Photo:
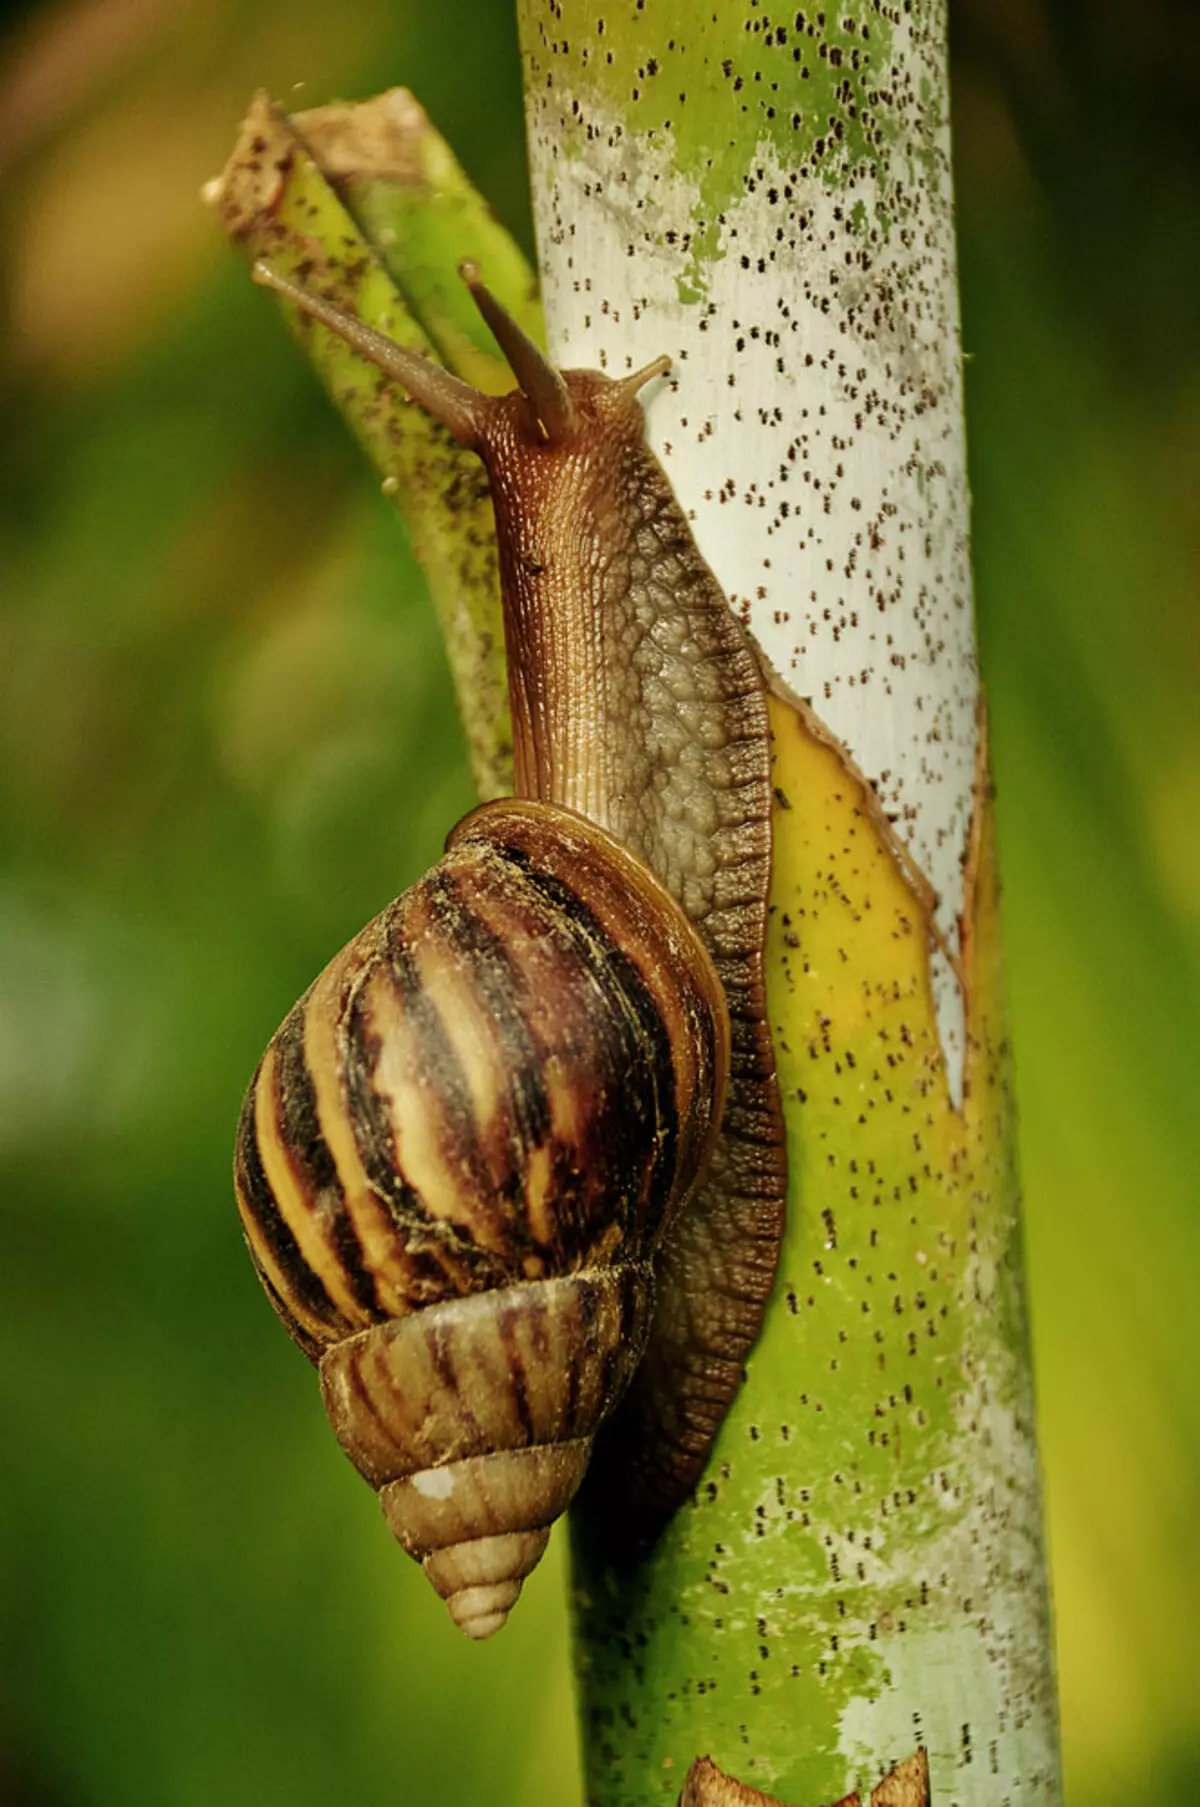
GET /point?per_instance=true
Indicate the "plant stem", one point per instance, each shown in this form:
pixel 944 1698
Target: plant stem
pixel 769 200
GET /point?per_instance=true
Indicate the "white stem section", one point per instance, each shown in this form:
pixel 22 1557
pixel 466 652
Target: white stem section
pixel 813 424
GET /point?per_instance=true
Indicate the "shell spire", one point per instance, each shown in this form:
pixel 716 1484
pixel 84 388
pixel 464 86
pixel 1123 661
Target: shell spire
pixel 472 1481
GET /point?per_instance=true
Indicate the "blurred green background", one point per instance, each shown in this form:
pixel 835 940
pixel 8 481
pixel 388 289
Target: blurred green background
pixel 227 737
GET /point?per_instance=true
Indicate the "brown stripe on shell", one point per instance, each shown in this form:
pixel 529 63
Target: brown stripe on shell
pixel 504 951
pixel 520 1377
pixel 313 1346
pixel 316 1251
pixel 640 1041
pixel 413 1122
pixel 491 1003
pixel 314 1165
pixel 329 999
pixel 298 1296
pixel 497 1107
pixel 584 1037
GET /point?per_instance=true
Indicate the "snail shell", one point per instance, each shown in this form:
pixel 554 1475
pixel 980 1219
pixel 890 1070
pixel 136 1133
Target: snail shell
pixel 455 1163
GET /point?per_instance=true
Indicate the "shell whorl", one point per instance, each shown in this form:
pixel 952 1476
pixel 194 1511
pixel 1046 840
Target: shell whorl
pixel 454 1164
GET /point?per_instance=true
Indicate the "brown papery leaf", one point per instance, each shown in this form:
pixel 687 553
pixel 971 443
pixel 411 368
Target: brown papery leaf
pixel 907 1785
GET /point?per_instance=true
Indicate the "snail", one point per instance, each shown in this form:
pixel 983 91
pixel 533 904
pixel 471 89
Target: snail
pixel 511 1172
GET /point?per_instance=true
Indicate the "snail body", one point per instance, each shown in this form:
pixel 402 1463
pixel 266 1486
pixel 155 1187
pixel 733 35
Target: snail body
pixel 512 1170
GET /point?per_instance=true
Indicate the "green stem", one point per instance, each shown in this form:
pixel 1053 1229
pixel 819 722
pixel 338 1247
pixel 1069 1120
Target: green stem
pixel 768 199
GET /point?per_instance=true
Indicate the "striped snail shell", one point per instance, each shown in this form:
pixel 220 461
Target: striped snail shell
pixel 455 1162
